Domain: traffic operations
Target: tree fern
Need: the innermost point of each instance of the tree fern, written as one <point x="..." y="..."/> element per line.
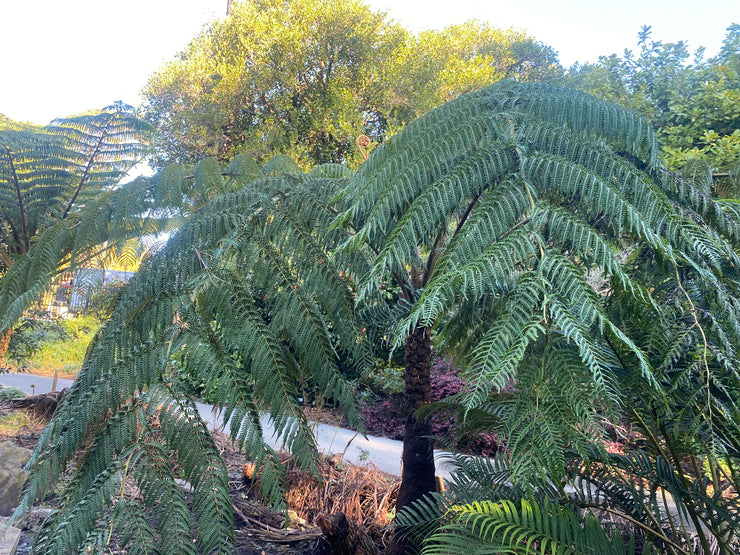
<point x="238" y="301"/>
<point x="491" y="213"/>
<point x="60" y="200"/>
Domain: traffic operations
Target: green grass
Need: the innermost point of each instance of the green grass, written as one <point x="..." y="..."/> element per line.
<point x="43" y="348"/>
<point x="11" y="424"/>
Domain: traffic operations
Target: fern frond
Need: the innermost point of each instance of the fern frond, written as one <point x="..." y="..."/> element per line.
<point x="281" y="164"/>
<point x="504" y="526"/>
<point x="242" y="171"/>
<point x="214" y="298"/>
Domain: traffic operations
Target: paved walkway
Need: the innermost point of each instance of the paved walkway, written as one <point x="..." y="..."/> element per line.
<point x="383" y="453"/>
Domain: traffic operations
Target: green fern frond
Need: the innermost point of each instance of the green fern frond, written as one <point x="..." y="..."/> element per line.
<point x="208" y="178"/>
<point x="504" y="526"/>
<point x="562" y="107"/>
<point x="281" y="164"/>
<point x="216" y="298"/>
<point x="332" y="171"/>
<point x="242" y="171"/>
<point x="29" y="277"/>
<point x="504" y="345"/>
<point x="484" y="274"/>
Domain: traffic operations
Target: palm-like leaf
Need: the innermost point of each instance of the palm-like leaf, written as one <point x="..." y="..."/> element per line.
<point x="60" y="203"/>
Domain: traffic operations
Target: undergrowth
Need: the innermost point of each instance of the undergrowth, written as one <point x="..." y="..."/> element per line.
<point x="42" y="346"/>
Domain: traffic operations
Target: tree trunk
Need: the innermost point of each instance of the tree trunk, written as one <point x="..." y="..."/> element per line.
<point x="344" y="536"/>
<point x="417" y="472"/>
<point x="4" y="342"/>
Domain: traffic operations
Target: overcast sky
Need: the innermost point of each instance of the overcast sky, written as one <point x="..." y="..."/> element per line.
<point x="61" y="57"/>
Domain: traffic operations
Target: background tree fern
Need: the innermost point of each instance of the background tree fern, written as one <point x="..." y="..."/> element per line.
<point x="61" y="204"/>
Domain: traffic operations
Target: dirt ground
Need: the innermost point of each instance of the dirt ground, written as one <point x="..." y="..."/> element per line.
<point x="363" y="494"/>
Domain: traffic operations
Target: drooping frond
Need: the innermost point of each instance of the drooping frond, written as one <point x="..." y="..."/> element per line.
<point x="248" y="300"/>
<point x="105" y="147"/>
<point x="481" y="510"/>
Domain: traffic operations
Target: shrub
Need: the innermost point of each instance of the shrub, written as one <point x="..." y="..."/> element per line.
<point x="41" y="343"/>
<point x="29" y="336"/>
<point x="7" y="393"/>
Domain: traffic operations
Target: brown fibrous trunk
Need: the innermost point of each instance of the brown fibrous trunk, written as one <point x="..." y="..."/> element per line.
<point x="417" y="472"/>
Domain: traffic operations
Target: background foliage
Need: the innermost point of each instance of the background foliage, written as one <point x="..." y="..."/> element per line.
<point x="307" y="78"/>
<point x="693" y="102"/>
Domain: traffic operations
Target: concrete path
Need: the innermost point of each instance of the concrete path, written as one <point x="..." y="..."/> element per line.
<point x="383" y="453"/>
<point x="41" y="384"/>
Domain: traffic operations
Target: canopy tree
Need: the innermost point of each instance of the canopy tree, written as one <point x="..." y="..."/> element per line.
<point x="440" y="65"/>
<point x="307" y="78"/>
<point x="275" y="77"/>
<point x="60" y="203"/>
<point x="692" y="103"/>
<point x="486" y="216"/>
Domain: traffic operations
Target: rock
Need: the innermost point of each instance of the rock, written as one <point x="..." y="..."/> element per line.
<point x="12" y="475"/>
<point x="9" y="536"/>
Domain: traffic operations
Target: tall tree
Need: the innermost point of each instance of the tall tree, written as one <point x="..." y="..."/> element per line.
<point x="307" y="78"/>
<point x="486" y="215"/>
<point x="290" y="77"/>
<point x="440" y="65"/>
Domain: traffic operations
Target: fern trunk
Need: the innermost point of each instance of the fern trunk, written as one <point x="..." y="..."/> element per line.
<point x="417" y="473"/>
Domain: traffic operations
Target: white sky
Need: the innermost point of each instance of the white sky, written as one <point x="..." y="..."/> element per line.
<point x="61" y="57"/>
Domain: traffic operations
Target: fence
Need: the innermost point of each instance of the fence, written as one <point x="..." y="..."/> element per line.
<point x="75" y="292"/>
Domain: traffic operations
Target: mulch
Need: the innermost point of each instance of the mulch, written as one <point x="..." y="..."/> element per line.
<point x="362" y="493"/>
